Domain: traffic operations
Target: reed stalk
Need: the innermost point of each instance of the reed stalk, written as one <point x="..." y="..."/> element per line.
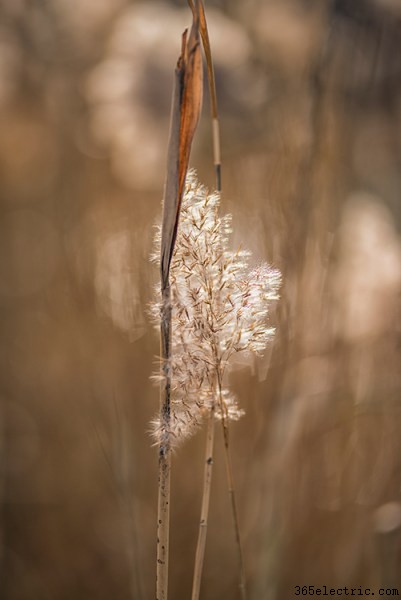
<point x="163" y="505"/>
<point x="204" y="517"/>
<point x="200" y="549"/>
<point x="207" y="480"/>
<point x="185" y="110"/>
<point x="232" y="495"/>
<point x="218" y="306"/>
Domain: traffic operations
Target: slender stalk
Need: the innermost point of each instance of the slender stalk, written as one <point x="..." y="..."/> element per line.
<point x="208" y="468"/>
<point x="163" y="505"/>
<point x="200" y="550"/>
<point x="200" y="9"/>
<point x="213" y="96"/>
<point x="207" y="481"/>
<point x="231" y="492"/>
<point x="163" y="525"/>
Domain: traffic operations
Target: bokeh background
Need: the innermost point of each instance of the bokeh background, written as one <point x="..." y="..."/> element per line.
<point x="310" y="102"/>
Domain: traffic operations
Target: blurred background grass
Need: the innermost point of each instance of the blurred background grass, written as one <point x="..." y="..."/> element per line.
<point x="310" y="104"/>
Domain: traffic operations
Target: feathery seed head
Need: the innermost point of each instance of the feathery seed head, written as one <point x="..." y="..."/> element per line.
<point x="219" y="307"/>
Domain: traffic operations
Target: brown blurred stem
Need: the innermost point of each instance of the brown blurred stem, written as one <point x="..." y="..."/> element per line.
<point x="217" y="164"/>
<point x="231" y="491"/>
<point x="207" y="481"/>
<point x="198" y="7"/>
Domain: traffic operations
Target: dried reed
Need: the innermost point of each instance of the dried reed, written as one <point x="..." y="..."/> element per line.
<point x="185" y="111"/>
<point x="219" y="306"/>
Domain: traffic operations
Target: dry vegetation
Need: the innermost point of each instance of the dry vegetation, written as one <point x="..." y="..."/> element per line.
<point x="309" y="98"/>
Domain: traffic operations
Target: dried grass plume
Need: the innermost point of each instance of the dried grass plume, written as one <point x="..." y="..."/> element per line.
<point x="219" y="307"/>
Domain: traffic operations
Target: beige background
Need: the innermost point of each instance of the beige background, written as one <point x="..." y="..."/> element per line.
<point x="309" y="97"/>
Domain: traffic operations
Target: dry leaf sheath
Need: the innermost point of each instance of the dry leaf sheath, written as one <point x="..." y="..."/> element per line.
<point x="219" y="306"/>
